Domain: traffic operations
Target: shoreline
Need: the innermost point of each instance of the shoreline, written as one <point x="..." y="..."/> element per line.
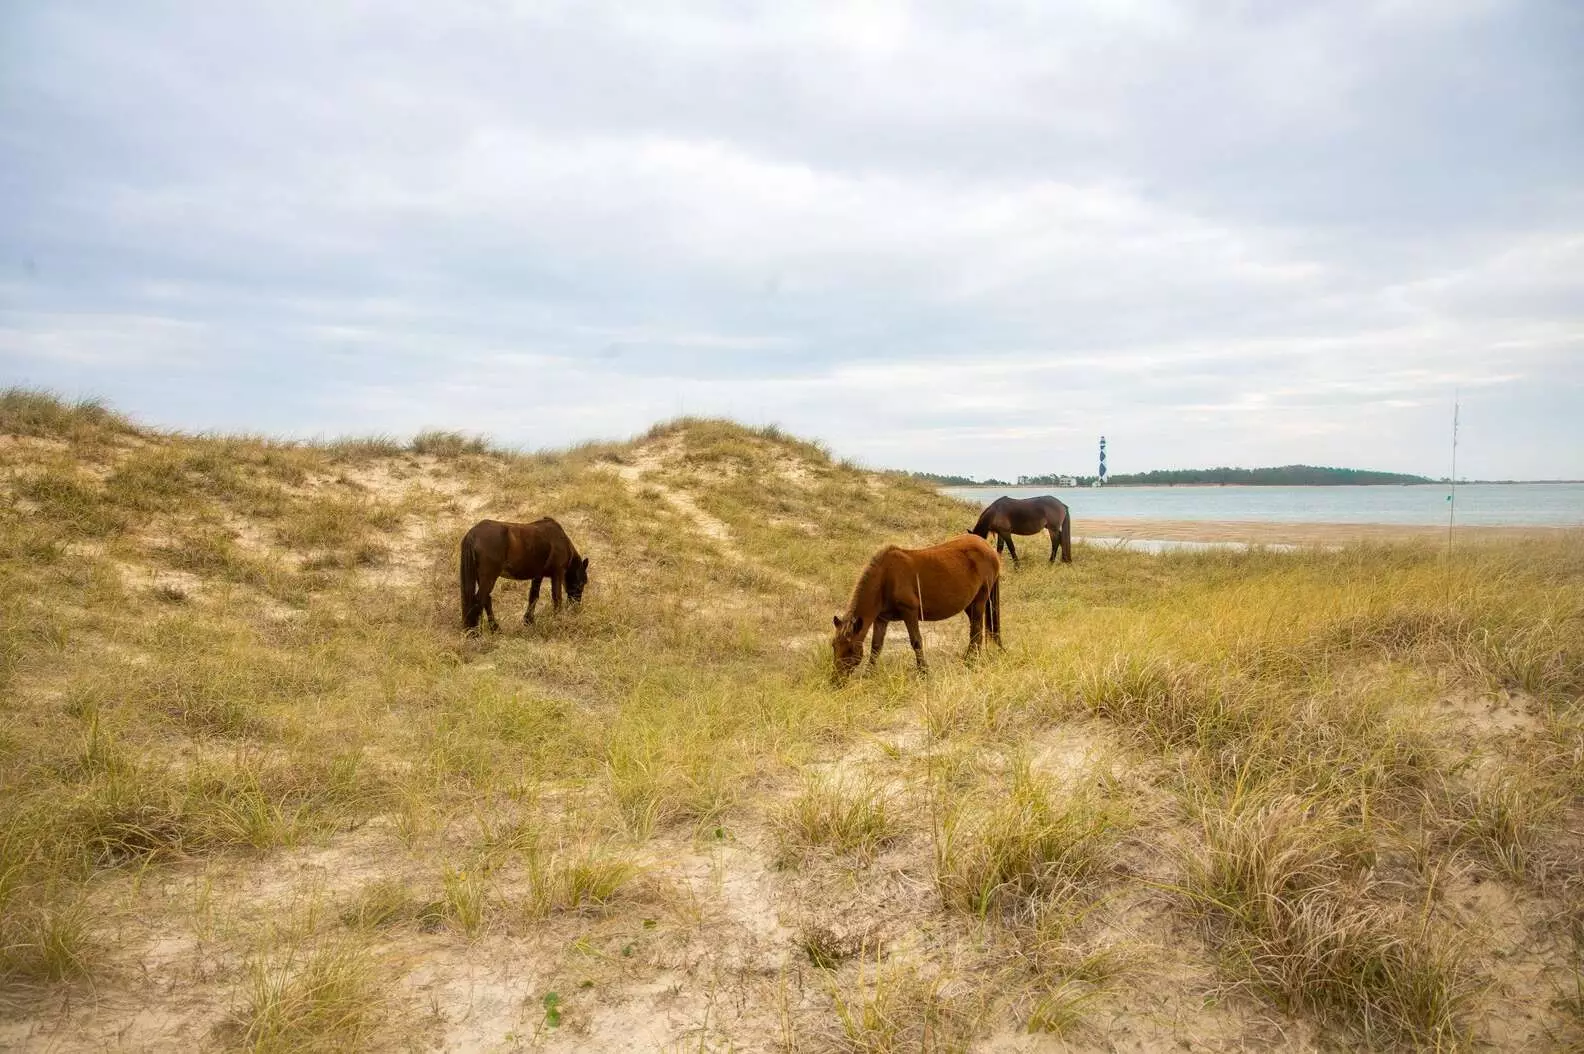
<point x="1259" y="532"/>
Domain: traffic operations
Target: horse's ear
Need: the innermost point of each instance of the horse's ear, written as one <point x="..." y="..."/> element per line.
<point x="857" y="624"/>
<point x="585" y="565"/>
<point x="836" y="621"/>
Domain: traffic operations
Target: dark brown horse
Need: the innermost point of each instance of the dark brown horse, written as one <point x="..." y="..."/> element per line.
<point x="532" y="551"/>
<point x="920" y="585"/>
<point x="1008" y="516"/>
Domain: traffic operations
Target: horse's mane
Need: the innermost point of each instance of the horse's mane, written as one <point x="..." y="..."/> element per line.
<point x="871" y="569"/>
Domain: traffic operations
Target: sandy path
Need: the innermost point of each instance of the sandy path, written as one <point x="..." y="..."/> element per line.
<point x="1291" y="533"/>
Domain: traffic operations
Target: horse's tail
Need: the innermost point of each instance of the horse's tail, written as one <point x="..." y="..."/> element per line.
<point x="1066" y="537"/>
<point x="993" y="611"/>
<point x="469" y="583"/>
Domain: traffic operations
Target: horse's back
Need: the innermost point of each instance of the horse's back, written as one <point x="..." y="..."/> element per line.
<point x="1029" y="515"/>
<point x="1053" y="506"/>
<point x="963" y="550"/>
<point x="949" y="576"/>
<point x="485" y="531"/>
<point x="520" y="550"/>
<point x="544" y="525"/>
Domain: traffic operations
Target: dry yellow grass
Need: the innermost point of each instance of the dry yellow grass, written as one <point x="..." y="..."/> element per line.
<point x="258" y="790"/>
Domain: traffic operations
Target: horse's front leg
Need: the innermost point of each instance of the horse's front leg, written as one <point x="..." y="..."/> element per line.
<point x="916" y="639"/>
<point x="555" y="589"/>
<point x="877" y="641"/>
<point x="1010" y="547"/>
<point x="533" y="598"/>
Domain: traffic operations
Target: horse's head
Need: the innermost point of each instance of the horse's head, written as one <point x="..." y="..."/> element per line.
<point x="847" y="644"/>
<point x="577" y="578"/>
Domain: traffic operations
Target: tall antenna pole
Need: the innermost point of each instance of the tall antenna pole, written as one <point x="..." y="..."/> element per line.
<point x="1452" y="496"/>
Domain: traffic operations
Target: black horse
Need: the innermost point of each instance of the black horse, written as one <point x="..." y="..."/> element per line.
<point x="1008" y="516"/>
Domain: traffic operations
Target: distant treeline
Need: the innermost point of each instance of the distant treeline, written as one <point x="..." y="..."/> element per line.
<point x="1282" y="476"/>
<point x="958" y="481"/>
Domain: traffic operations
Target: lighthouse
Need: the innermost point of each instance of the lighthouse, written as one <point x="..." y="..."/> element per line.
<point x="1102" y="462"/>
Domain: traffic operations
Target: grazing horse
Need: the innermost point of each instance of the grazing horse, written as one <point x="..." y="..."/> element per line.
<point x="920" y="585"/>
<point x="531" y="551"/>
<point x="1008" y="516"/>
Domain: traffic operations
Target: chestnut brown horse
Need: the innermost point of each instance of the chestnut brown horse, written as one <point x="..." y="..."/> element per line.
<point x="532" y="551"/>
<point x="1008" y="516"/>
<point x="920" y="585"/>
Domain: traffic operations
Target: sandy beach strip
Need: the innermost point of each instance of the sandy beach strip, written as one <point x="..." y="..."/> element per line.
<point x="1266" y="533"/>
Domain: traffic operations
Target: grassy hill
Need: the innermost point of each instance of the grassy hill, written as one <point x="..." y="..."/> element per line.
<point x="257" y="790"/>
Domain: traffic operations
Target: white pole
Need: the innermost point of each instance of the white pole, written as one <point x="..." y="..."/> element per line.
<point x="1452" y="497"/>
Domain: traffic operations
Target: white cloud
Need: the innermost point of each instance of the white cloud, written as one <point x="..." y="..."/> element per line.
<point x="950" y="237"/>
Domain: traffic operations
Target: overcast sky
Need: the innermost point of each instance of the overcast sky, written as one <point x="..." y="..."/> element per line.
<point x="965" y="237"/>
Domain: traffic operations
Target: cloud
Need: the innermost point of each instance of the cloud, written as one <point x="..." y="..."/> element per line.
<point x="965" y="239"/>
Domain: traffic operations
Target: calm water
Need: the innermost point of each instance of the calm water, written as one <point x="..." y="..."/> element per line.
<point x="1516" y="504"/>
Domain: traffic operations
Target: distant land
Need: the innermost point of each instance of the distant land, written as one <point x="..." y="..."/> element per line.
<point x="1279" y="476"/>
<point x="963" y="481"/>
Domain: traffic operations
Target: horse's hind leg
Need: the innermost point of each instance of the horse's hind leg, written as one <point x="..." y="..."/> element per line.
<point x="486" y="590"/>
<point x="533" y="598"/>
<point x="1055" y="533"/>
<point x="976" y="623"/>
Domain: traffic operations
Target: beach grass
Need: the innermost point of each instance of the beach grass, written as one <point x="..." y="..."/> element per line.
<point x="257" y="784"/>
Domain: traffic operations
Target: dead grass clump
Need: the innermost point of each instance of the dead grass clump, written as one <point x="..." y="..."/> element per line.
<point x="1401" y="630"/>
<point x="336" y="523"/>
<point x="828" y="947"/>
<point x="46" y="936"/>
<point x="1369" y="749"/>
<point x="1072" y="973"/>
<point x="1002" y="854"/>
<point x="152" y="480"/>
<point x="325" y="999"/>
<point x="231" y="688"/>
<point x="573" y="878"/>
<point x="845" y="816"/>
<point x="895" y="1007"/>
<point x="170" y="593"/>
<point x="131" y="814"/>
<point x="362" y="449"/>
<point x="671" y="760"/>
<point x="388" y="903"/>
<point x="1506" y="820"/>
<point x="1285" y="889"/>
<point x="1171" y="704"/>
<point x="446" y="445"/>
<point x="213" y="552"/>
<point x="70" y="505"/>
<point x="27" y="412"/>
<point x="1542" y="656"/>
